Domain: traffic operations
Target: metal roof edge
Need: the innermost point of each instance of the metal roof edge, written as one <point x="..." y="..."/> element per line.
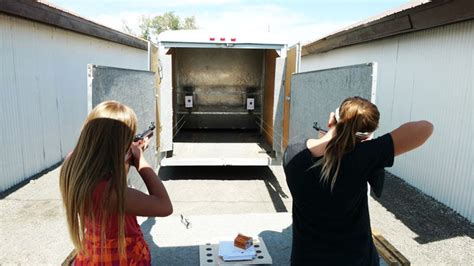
<point x="218" y="37"/>
<point x="424" y="15"/>
<point x="51" y="15"/>
<point x="222" y="45"/>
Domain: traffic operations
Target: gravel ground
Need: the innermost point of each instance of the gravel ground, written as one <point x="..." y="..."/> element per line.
<point x="424" y="230"/>
<point x="33" y="228"/>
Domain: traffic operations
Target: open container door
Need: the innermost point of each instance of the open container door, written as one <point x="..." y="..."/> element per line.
<point x="155" y="66"/>
<point x="292" y="65"/>
<point x="134" y="88"/>
<point x="315" y="94"/>
<point x="165" y="101"/>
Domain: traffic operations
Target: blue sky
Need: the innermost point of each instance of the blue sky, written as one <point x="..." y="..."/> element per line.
<point x="293" y="21"/>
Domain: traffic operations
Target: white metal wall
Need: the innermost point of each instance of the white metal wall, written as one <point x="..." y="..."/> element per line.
<point x="43" y="92"/>
<point x="425" y="75"/>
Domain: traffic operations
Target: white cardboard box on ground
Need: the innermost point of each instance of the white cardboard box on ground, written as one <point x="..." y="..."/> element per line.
<point x="229" y="252"/>
<point x="209" y="255"/>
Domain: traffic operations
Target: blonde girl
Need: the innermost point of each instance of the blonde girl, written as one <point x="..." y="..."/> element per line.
<point x="328" y="179"/>
<point x="100" y="208"/>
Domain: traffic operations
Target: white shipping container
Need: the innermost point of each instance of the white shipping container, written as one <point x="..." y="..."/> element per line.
<point x="233" y="82"/>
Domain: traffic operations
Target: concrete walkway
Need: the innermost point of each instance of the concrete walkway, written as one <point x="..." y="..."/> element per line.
<point x="218" y="203"/>
<point x="33" y="226"/>
<point x="174" y="244"/>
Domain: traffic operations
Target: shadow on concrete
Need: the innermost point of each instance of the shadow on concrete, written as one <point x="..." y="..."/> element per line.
<point x="275" y="192"/>
<point x="278" y="245"/>
<point x="429" y="219"/>
<point x="146" y="226"/>
<point x="4" y="194"/>
<point x="214" y="173"/>
<point x="183" y="255"/>
<point x="274" y="188"/>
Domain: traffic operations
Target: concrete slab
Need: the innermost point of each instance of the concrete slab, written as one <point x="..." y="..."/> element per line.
<point x="209" y="208"/>
<point x="33" y="227"/>
<point x="217" y="154"/>
<point x="43" y="188"/>
<point x="214" y="190"/>
<point x="219" y="147"/>
<point x="172" y="244"/>
<point x="225" y="190"/>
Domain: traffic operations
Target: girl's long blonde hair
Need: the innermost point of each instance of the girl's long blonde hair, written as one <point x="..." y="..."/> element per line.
<point x="99" y="155"/>
<point x="355" y="115"/>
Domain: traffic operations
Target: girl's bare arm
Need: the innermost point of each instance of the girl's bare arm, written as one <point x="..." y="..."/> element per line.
<point x="157" y="203"/>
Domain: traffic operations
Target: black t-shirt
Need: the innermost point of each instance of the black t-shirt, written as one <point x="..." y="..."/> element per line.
<point x="333" y="227"/>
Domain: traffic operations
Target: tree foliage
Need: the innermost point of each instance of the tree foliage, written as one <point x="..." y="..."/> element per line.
<point x="150" y="27"/>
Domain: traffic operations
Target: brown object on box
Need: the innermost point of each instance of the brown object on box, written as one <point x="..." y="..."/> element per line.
<point x="243" y="242"/>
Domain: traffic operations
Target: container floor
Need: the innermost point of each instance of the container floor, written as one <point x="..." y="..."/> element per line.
<point x="219" y="147"/>
<point x="220" y="136"/>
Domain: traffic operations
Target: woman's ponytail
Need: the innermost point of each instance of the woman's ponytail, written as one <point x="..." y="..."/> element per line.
<point x="357" y="117"/>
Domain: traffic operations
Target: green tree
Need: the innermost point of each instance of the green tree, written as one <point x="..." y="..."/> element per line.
<point x="150" y="27"/>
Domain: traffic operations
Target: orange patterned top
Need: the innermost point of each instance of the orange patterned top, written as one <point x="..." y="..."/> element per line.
<point x="137" y="251"/>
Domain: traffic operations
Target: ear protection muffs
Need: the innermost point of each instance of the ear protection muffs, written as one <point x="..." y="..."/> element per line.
<point x="362" y="135"/>
<point x="336" y="115"/>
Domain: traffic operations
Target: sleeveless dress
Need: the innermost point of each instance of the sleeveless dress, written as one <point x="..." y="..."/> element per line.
<point x="137" y="251"/>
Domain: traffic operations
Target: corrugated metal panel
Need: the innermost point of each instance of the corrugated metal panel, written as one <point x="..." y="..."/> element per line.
<point x="320" y="92"/>
<point x="43" y="92"/>
<point x="425" y="75"/>
<point x="12" y="155"/>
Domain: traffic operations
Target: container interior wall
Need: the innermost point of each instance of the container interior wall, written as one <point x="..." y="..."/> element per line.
<point x="219" y="81"/>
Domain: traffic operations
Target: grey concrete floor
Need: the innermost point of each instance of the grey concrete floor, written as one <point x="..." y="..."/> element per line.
<point x="219" y="147"/>
<point x="33" y="226"/>
<point x="218" y="202"/>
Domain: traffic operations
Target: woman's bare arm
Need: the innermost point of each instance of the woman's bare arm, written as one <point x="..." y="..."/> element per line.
<point x="410" y="136"/>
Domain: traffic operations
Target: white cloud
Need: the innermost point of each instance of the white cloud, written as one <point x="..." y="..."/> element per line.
<point x="198" y="2"/>
<point x="311" y="32"/>
<point x="288" y="25"/>
<point x="116" y="21"/>
<point x="153" y="4"/>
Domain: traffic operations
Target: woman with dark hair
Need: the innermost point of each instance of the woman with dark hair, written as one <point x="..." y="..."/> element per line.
<point x="328" y="179"/>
